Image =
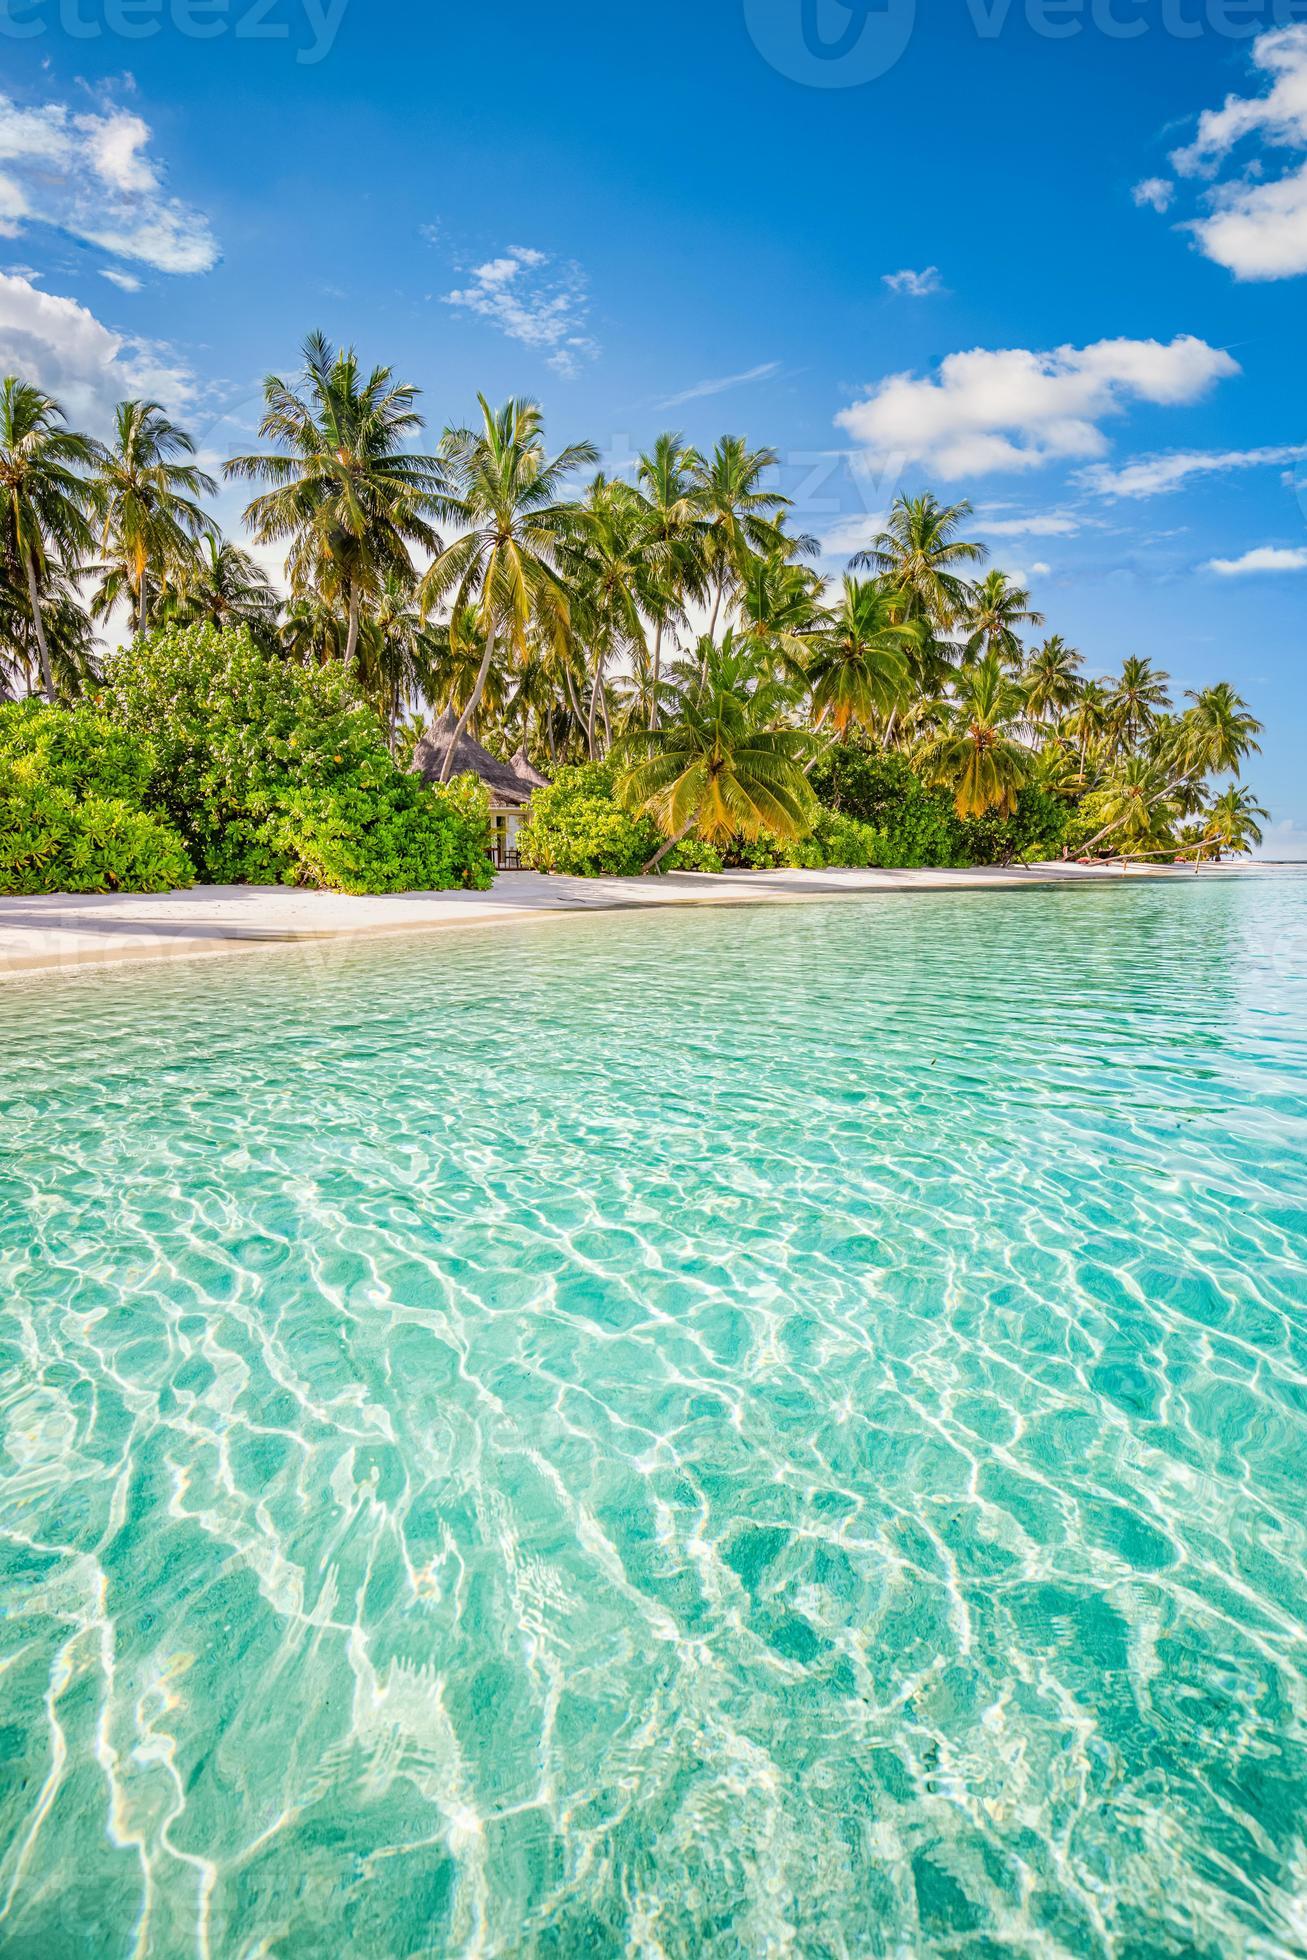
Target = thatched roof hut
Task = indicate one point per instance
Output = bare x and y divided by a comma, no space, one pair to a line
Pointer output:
510,783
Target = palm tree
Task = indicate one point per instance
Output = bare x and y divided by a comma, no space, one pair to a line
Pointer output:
1217,732
994,612
607,563
921,555
778,611
46,498
978,754
226,587
145,495
675,543
396,652
346,494
1137,800
506,492
739,515
1089,720
1052,679
1234,821
859,669
726,764
1136,702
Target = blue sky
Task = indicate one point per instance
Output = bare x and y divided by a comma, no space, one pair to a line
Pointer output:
691,217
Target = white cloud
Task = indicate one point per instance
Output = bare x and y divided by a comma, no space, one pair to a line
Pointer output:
763,372
85,365
1263,558
128,281
1156,192
1039,569
545,310
1049,524
917,285
1148,475
1013,408
89,175
1256,227
849,534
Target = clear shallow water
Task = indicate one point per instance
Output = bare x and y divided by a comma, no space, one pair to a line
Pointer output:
745,1433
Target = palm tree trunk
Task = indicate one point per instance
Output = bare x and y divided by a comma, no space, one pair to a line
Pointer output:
663,849
657,671
38,627
352,636
394,715
478,686
716,608
594,705
142,616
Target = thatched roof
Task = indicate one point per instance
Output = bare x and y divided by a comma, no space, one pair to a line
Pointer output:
507,786
523,766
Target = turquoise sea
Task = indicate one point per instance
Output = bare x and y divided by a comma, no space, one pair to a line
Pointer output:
739,1432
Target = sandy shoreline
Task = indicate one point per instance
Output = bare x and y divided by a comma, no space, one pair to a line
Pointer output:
51,934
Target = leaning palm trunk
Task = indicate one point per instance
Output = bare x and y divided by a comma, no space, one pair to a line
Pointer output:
38,627
474,701
663,849
594,707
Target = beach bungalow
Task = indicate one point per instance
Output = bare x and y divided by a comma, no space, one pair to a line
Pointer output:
511,784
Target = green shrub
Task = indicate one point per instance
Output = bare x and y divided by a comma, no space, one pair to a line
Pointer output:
917,825
691,854
401,837
79,749
576,827
1038,829
276,772
54,841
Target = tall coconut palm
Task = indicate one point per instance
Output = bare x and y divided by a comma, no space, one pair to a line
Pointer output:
507,493
993,616
1136,702
347,497
739,515
146,495
1052,679
675,543
607,565
1089,721
1234,820
226,587
43,481
921,554
1218,732
778,611
726,764
859,666
978,753
1136,801
396,652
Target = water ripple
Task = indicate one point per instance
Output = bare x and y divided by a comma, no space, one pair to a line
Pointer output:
755,1433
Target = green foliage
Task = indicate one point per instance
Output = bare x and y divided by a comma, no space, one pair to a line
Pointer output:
398,837
275,772
576,827
917,825
692,855
76,749
71,784
1036,830
54,841
838,839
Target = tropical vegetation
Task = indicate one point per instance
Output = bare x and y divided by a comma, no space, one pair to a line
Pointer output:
662,644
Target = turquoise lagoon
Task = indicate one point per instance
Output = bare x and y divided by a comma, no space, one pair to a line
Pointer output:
749,1432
